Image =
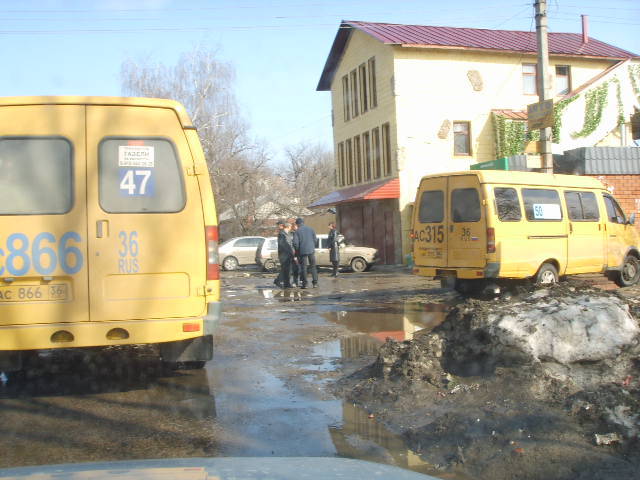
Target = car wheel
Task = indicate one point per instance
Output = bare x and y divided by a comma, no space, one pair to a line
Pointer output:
358,264
630,273
547,274
230,263
269,266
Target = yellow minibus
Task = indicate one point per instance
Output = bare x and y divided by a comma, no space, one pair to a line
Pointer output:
490,224
108,229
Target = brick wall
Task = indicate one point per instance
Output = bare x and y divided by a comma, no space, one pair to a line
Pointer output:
626,189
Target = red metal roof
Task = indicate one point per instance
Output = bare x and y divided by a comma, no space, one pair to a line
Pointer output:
380,190
510,40
425,36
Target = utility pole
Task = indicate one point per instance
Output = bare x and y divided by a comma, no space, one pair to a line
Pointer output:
543,80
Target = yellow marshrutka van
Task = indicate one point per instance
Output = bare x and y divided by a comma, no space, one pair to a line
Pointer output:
490,224
108,229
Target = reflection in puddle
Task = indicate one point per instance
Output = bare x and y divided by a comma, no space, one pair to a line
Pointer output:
285,295
399,323
364,438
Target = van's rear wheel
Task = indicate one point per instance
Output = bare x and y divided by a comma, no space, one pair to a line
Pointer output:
630,273
547,274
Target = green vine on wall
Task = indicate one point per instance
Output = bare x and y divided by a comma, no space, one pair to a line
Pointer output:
634,76
595,101
619,98
558,109
511,136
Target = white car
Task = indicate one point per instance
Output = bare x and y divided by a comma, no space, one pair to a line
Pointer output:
239,251
357,259
264,251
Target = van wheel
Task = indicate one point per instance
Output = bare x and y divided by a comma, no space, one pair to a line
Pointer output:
468,287
358,265
269,266
230,263
547,274
630,273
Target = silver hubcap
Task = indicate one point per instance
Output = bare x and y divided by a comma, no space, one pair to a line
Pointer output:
548,277
629,271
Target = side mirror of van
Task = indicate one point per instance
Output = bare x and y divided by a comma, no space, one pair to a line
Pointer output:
632,219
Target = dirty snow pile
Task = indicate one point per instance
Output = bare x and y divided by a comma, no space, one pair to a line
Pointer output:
566,330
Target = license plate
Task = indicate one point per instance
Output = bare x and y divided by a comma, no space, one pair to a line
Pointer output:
34,293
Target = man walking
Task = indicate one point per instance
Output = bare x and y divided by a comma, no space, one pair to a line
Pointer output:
334,248
295,266
305,245
285,255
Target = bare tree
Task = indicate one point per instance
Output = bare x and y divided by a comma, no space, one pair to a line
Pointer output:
309,171
238,166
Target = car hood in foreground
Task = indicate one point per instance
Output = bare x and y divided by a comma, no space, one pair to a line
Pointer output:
239,468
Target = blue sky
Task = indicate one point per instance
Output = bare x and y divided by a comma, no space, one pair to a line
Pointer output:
278,47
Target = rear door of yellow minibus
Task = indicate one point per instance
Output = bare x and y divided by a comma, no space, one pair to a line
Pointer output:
146,228
43,226
467,238
430,223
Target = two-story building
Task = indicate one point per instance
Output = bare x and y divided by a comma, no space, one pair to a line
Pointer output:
409,100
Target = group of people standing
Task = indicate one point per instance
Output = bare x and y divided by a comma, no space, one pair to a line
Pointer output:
297,253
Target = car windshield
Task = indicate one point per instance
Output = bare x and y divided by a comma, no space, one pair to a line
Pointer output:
475,324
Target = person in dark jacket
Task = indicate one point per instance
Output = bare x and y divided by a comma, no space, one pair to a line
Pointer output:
334,248
285,255
305,245
295,266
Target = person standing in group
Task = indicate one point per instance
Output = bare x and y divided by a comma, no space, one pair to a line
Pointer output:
305,245
295,266
285,255
334,248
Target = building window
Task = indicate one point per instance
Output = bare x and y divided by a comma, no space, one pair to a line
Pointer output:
563,79
386,149
377,155
373,92
529,79
349,169
346,98
366,147
461,138
341,172
355,111
358,159
364,98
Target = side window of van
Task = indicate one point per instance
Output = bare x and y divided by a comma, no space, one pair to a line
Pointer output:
36,176
140,176
507,204
541,205
582,206
465,205
431,206
324,243
614,212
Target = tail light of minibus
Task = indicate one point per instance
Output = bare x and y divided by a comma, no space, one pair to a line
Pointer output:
491,240
213,260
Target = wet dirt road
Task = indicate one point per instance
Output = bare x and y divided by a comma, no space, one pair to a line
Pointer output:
262,395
